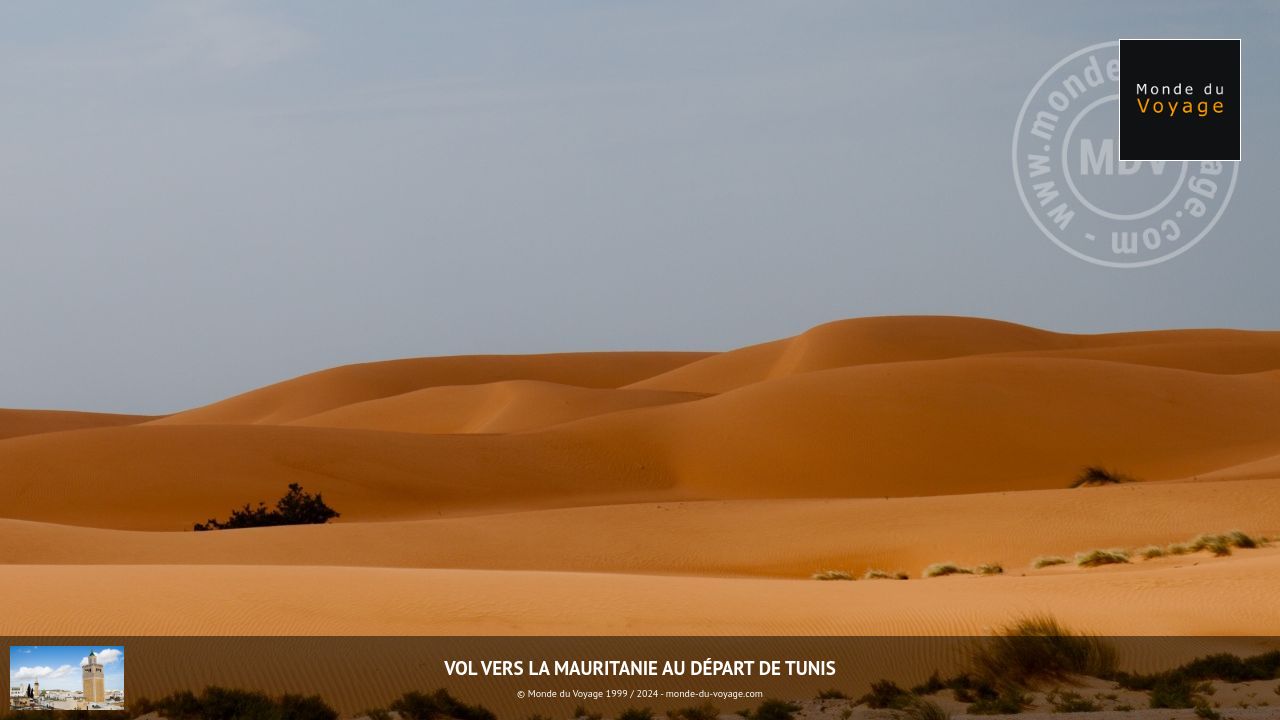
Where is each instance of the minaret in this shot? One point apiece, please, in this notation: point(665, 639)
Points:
point(93, 680)
point(37, 690)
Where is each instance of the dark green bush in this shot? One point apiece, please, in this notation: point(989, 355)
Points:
point(886, 694)
point(1009, 702)
point(295, 508)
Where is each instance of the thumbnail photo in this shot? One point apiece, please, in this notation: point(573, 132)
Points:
point(66, 677)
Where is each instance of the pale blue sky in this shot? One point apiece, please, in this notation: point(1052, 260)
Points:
point(204, 197)
point(60, 666)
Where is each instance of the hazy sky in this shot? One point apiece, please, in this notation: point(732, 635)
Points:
point(203, 197)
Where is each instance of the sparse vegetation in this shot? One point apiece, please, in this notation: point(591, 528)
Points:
point(1045, 561)
point(875, 574)
point(926, 710)
point(1039, 648)
point(832, 694)
point(1064, 701)
point(989, 569)
point(1096, 558)
point(1207, 713)
point(295, 508)
point(636, 714)
point(217, 703)
point(1151, 552)
point(886, 694)
point(832, 575)
point(439, 704)
point(775, 710)
point(1095, 475)
point(1009, 702)
point(1219, 545)
point(933, 685)
point(946, 568)
point(581, 712)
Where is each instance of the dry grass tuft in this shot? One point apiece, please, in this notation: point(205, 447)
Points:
point(876, 574)
point(943, 569)
point(1097, 558)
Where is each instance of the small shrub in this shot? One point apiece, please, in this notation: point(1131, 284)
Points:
point(990, 569)
point(1151, 552)
point(1219, 545)
point(1242, 540)
point(1173, 691)
point(1009, 702)
point(926, 710)
point(832, 575)
point(1096, 558)
point(886, 694)
point(1178, 549)
point(582, 713)
point(1095, 475)
point(1045, 561)
point(875, 574)
point(931, 686)
point(295, 508)
point(775, 710)
point(1039, 648)
point(1207, 713)
point(636, 714)
point(832, 694)
point(1066, 701)
point(946, 568)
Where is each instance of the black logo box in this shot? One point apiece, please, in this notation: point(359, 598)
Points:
point(1186, 66)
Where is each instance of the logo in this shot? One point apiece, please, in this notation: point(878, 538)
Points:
point(1107, 211)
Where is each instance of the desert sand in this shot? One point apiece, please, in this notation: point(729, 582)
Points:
point(674, 493)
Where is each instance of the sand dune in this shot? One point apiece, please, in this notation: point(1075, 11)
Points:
point(268, 600)
point(945, 427)
point(328, 389)
point(502, 407)
point(157, 477)
point(966, 425)
point(649, 493)
point(865, 341)
point(711, 538)
point(17, 423)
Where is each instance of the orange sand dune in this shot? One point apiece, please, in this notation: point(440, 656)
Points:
point(653, 493)
point(962, 425)
point(328, 389)
point(943, 427)
point(16, 423)
point(275, 600)
point(865, 341)
point(502, 407)
point(1258, 353)
point(722, 538)
point(165, 477)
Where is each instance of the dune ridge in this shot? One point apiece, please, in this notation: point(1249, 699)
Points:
point(600, 491)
